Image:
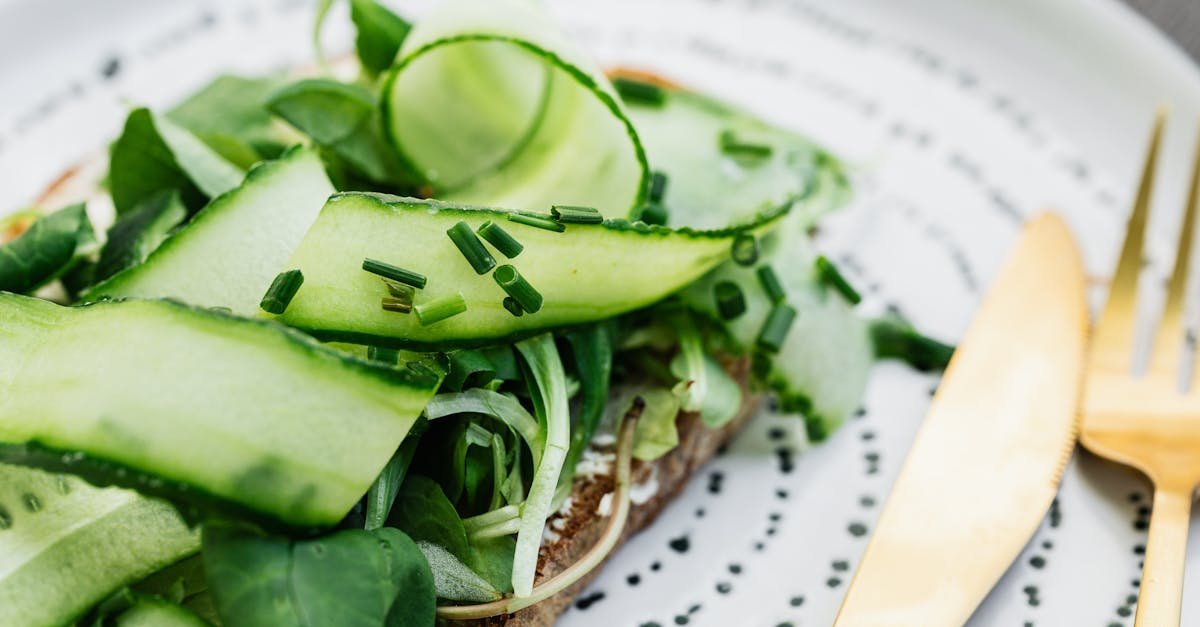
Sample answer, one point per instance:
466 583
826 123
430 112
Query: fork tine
1114 336
1167 343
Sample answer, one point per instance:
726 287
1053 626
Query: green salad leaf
230 115
380 34
424 513
155 154
343 119
351 578
656 433
592 355
381 497
139 232
49 248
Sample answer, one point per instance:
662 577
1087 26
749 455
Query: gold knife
987 461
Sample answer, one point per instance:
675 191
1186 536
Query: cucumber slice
65 545
492 104
710 188
206 405
586 273
821 370
232 250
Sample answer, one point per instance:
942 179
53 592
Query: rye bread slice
577 529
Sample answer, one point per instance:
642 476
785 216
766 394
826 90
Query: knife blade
987 460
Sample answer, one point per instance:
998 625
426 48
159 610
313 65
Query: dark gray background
1179 18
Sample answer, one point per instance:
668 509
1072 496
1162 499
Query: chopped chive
830 276
537 220
770 283
439 309
518 288
498 237
383 354
395 273
398 305
283 289
398 290
658 186
745 250
471 248
734 146
775 329
635 91
568 214
653 213
513 306
731 303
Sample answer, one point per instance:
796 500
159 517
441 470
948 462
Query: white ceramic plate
963 119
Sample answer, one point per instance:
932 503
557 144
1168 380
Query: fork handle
1161 594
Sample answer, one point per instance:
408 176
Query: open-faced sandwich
379 350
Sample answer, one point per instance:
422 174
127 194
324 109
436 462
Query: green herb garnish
775 329
654 213
518 288
440 309
498 237
471 248
513 306
735 146
397 305
770 284
745 250
283 289
829 275
394 273
731 302
540 221
658 186
638 92
568 214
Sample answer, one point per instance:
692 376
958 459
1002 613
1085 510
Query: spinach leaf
455 580
137 233
380 34
49 248
494 561
424 512
382 494
154 154
350 578
426 515
345 120
230 115
592 353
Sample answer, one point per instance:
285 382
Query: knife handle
1161 593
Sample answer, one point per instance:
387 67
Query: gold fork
1147 421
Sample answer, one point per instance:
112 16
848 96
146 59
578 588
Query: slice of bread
573 531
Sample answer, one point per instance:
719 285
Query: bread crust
578 529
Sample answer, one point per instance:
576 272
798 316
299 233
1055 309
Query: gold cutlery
1145 420
987 460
